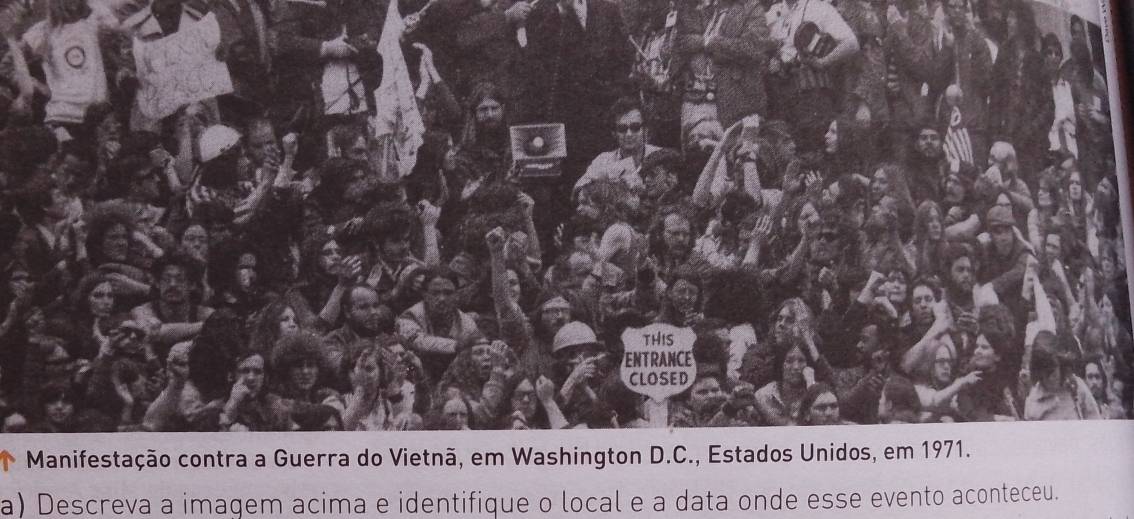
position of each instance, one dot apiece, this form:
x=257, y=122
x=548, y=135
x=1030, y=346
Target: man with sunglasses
x=121, y=379
x=623, y=164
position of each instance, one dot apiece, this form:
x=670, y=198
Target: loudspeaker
x=538, y=150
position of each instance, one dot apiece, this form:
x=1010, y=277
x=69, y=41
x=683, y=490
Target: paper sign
x=181, y=68
x=658, y=360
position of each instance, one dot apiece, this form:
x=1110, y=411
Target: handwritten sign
x=181, y=68
x=658, y=360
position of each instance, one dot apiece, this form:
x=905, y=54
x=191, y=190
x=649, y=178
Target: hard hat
x=573, y=333
x=216, y=140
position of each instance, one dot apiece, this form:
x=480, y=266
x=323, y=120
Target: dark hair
x=296, y=348
x=1098, y=362
x=214, y=354
x=808, y=399
x=344, y=135
x=929, y=282
x=781, y=351
x=954, y=252
x=124, y=174
x=98, y=226
x=86, y=286
x=998, y=326
x=312, y=418
x=442, y=272
x=622, y=107
x=1051, y=41
x=33, y=198
x=334, y=177
x=900, y=392
x=191, y=268
x=266, y=326
x=140, y=143
x=395, y=222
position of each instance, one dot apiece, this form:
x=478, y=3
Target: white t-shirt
x=72, y=63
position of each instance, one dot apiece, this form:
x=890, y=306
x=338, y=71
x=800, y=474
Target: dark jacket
x=301, y=27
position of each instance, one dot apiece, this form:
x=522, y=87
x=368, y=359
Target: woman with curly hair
x=272, y=324
x=479, y=375
x=109, y=239
x=301, y=373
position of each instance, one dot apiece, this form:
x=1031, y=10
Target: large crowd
x=868, y=211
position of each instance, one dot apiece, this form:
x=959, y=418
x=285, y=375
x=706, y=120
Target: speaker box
x=538, y=150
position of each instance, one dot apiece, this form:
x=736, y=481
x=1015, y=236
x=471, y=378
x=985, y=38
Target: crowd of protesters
x=868, y=211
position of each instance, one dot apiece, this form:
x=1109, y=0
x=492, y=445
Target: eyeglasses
x=628, y=128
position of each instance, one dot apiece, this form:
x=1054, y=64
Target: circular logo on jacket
x=75, y=56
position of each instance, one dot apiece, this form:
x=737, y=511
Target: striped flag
x=397, y=125
x=958, y=145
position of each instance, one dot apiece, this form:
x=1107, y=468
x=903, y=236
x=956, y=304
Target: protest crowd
x=276, y=215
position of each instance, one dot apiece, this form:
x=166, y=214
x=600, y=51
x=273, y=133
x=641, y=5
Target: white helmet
x=216, y=140
x=573, y=333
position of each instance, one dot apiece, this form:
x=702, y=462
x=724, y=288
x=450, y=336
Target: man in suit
x=734, y=35
x=578, y=62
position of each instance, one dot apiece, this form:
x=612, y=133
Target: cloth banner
x=181, y=68
x=397, y=124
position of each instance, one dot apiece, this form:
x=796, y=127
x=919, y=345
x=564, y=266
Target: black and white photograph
x=404, y=215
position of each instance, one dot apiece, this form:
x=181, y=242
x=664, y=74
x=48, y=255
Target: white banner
x=181, y=68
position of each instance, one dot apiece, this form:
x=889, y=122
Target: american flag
x=958, y=145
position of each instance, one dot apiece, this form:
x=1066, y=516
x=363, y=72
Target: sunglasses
x=631, y=128
x=129, y=333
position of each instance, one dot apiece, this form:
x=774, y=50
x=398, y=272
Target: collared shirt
x=1065, y=404
x=611, y=165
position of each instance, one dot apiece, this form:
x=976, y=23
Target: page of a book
x=564, y=258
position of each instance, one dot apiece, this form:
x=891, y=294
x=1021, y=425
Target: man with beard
x=365, y=318
x=993, y=26
x=485, y=148
x=926, y=165
x=435, y=328
x=960, y=276
x=672, y=248
x=175, y=315
x=882, y=246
